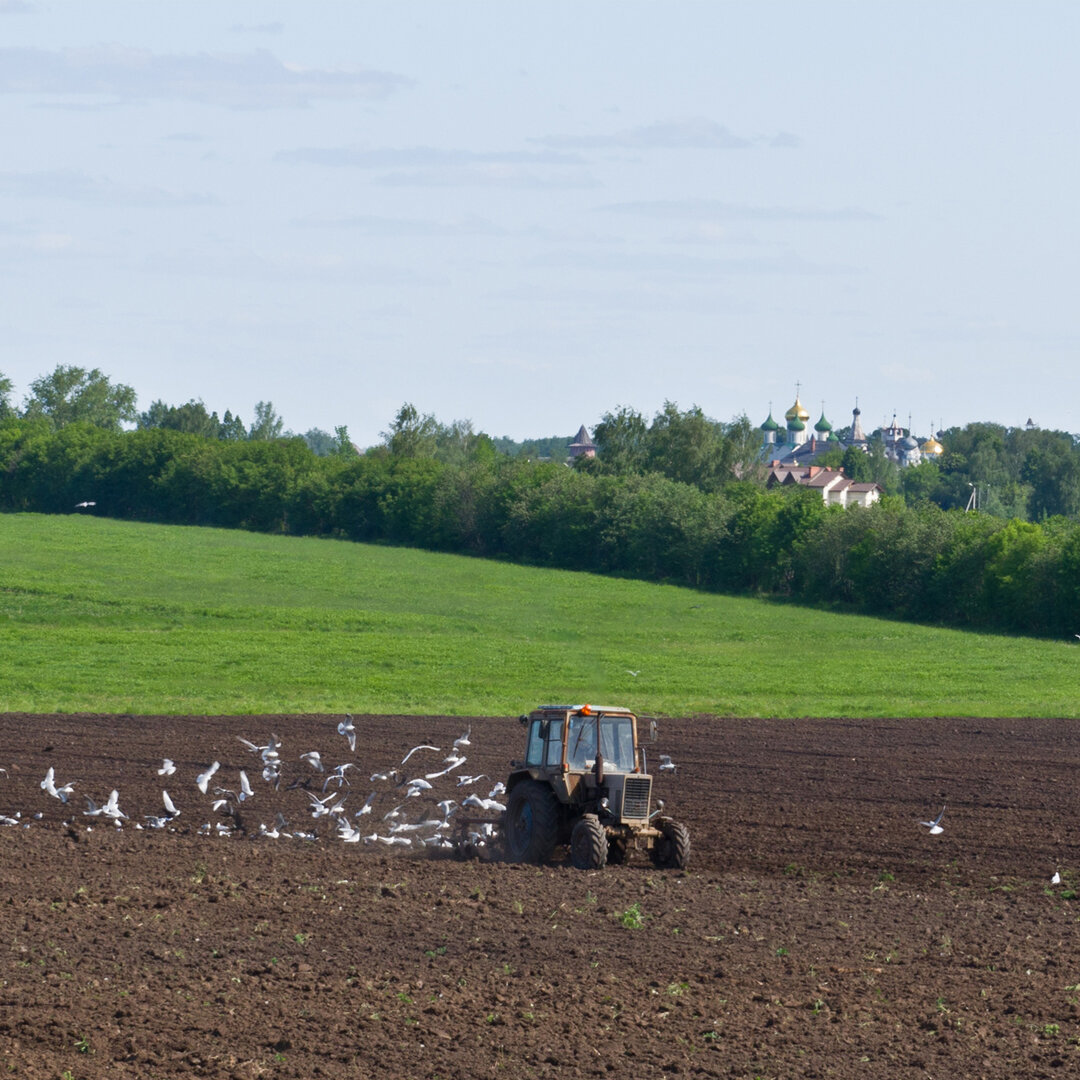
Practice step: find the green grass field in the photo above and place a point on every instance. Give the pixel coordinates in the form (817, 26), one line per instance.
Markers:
(107, 616)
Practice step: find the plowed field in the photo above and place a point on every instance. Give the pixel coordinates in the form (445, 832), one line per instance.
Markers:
(819, 931)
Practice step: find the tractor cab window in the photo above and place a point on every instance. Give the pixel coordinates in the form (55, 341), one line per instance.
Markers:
(554, 742)
(617, 743)
(581, 742)
(534, 752)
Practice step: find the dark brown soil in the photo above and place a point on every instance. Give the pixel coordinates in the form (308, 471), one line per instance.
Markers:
(819, 931)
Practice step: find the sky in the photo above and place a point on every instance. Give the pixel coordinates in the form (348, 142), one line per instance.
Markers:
(527, 215)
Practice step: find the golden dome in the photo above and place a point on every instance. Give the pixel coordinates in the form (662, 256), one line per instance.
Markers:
(797, 412)
(932, 446)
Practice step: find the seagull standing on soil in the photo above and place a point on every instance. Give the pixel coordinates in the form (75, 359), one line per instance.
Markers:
(935, 826)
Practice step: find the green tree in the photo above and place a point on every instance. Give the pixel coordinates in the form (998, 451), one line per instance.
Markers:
(73, 394)
(412, 435)
(232, 428)
(321, 443)
(267, 425)
(621, 441)
(191, 417)
(6, 386)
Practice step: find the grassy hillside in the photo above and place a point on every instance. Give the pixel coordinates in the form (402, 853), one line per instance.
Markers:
(99, 615)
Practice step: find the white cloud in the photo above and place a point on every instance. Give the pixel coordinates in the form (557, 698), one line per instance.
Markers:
(489, 176)
(404, 227)
(257, 28)
(695, 133)
(78, 187)
(419, 157)
(649, 263)
(248, 80)
(714, 210)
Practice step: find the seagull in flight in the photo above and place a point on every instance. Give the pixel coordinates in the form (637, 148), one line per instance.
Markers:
(634, 673)
(170, 806)
(935, 826)
(463, 740)
(167, 768)
(314, 759)
(483, 804)
(339, 775)
(463, 780)
(666, 764)
(347, 728)
(84, 505)
(415, 748)
(204, 778)
(452, 764)
(245, 787)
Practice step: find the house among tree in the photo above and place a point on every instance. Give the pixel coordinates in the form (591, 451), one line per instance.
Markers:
(836, 489)
(582, 446)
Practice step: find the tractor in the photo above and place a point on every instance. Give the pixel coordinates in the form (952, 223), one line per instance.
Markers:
(584, 781)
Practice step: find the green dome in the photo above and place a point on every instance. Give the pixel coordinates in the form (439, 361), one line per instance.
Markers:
(796, 425)
(823, 424)
(770, 424)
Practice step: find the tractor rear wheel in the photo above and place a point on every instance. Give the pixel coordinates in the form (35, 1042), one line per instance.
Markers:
(588, 844)
(672, 850)
(532, 822)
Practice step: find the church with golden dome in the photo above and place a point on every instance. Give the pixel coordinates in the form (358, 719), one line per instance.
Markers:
(798, 444)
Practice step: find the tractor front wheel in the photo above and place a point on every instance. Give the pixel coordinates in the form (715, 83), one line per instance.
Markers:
(588, 844)
(532, 822)
(672, 849)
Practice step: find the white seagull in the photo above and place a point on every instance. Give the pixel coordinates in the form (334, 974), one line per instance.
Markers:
(204, 778)
(338, 774)
(415, 748)
(463, 740)
(666, 764)
(314, 759)
(167, 768)
(1056, 879)
(245, 787)
(463, 780)
(935, 826)
(483, 804)
(347, 729)
(170, 807)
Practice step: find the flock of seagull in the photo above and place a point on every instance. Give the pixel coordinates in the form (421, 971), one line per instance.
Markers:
(417, 816)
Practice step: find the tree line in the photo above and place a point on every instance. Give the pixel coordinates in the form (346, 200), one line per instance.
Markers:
(679, 499)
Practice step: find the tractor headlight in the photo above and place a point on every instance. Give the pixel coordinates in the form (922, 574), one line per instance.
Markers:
(604, 804)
